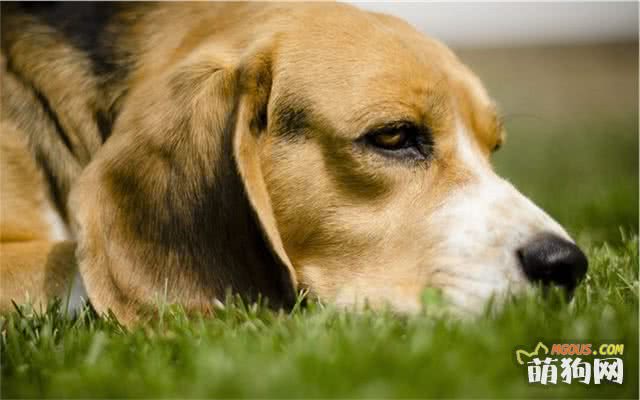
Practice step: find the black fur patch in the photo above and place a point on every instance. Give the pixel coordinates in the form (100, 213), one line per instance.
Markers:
(106, 118)
(96, 31)
(84, 26)
(40, 101)
(291, 118)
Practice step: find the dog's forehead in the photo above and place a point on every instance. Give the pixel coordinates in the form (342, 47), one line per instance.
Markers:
(371, 69)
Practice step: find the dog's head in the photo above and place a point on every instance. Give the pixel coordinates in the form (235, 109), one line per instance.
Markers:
(377, 161)
(362, 151)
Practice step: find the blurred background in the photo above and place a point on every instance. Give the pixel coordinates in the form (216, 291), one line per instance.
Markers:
(565, 75)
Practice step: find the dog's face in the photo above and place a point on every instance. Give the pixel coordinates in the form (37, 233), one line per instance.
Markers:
(377, 163)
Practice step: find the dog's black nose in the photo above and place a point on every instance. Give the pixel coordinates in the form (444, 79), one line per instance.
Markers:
(551, 260)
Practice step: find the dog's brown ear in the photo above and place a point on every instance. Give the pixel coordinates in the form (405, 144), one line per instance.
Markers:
(255, 80)
(174, 207)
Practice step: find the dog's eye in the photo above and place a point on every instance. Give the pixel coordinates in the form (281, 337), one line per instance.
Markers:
(400, 140)
(391, 140)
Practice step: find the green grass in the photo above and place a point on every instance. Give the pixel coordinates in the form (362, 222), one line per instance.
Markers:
(584, 172)
(320, 352)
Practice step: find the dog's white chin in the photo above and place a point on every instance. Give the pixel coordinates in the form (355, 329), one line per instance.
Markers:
(480, 297)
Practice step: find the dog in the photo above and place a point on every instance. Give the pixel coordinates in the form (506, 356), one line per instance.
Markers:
(173, 152)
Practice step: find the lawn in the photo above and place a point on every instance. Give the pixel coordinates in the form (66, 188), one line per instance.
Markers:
(320, 352)
(584, 171)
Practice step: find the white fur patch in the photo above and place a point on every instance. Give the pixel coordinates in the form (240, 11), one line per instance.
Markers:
(468, 152)
(481, 226)
(57, 228)
(59, 232)
(78, 297)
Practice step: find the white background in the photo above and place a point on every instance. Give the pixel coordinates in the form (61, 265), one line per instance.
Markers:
(500, 24)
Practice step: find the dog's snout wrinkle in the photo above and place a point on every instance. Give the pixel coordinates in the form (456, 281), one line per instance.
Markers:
(552, 260)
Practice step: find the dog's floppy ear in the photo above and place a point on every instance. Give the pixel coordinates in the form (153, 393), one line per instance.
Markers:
(174, 207)
(250, 129)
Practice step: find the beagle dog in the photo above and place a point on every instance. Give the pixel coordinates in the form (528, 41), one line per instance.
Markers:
(174, 151)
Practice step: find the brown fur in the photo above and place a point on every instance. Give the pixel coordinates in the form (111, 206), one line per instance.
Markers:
(228, 160)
